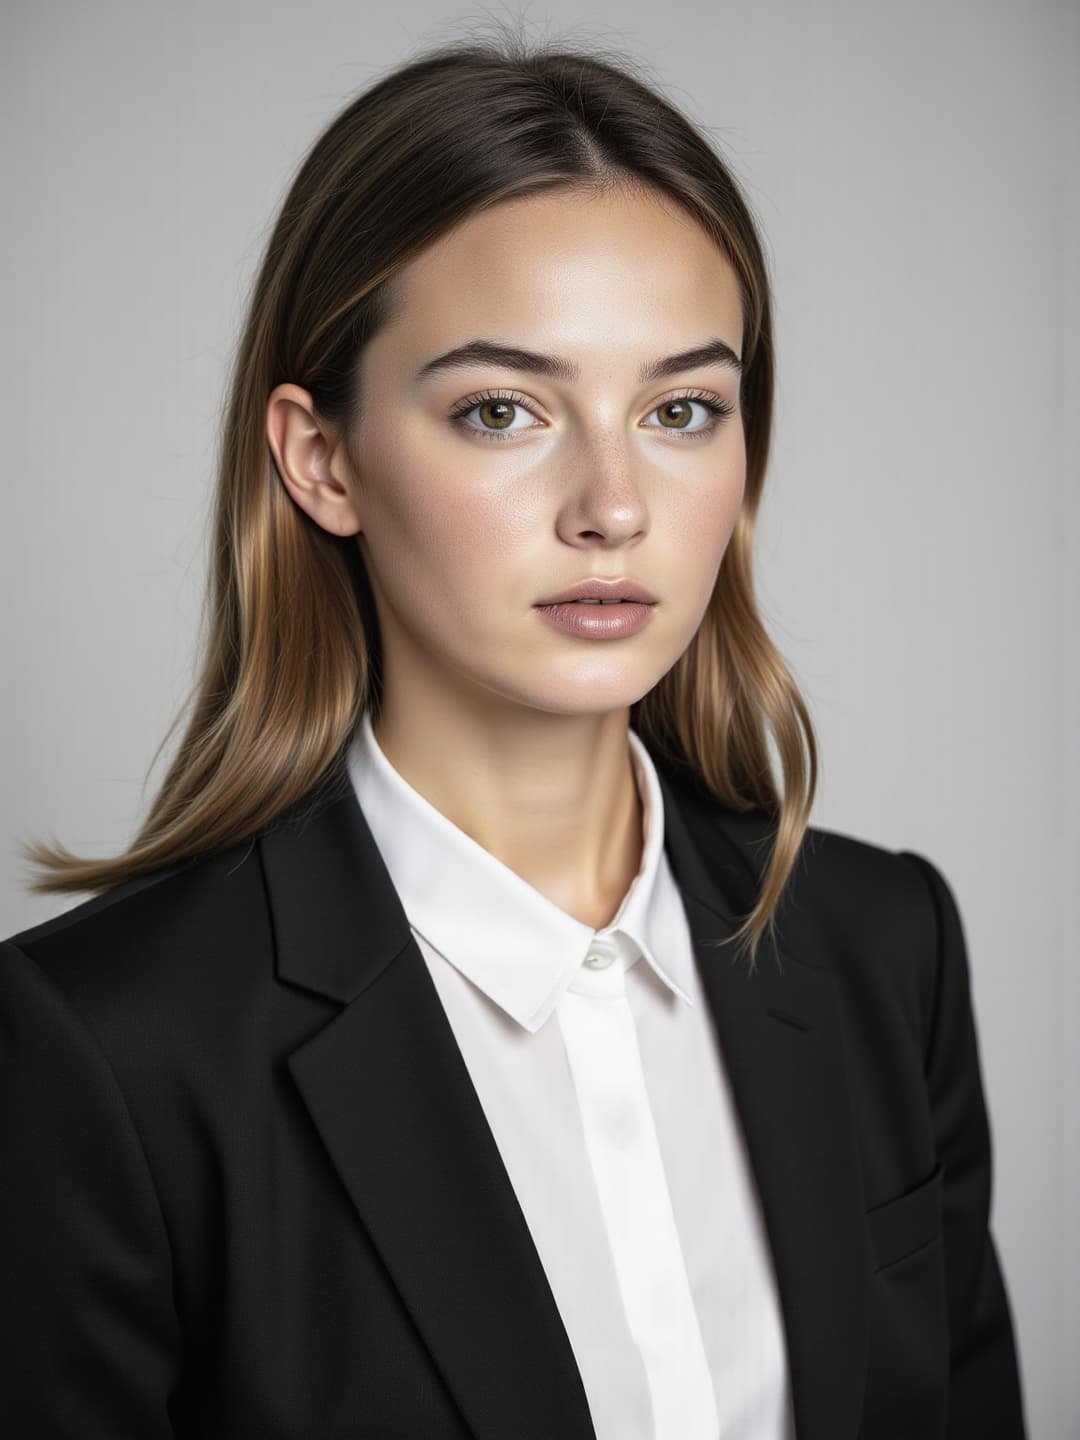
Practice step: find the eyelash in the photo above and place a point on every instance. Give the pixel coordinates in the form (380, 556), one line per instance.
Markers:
(720, 409)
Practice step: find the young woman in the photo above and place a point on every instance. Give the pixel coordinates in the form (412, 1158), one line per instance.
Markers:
(476, 1040)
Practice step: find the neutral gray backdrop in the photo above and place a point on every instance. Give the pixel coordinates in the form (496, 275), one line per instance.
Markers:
(913, 168)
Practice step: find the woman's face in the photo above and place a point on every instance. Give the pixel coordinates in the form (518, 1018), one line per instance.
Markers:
(473, 509)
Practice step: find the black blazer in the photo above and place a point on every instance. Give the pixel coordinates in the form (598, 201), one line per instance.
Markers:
(249, 1190)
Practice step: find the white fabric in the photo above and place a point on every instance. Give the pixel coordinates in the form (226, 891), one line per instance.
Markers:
(603, 1085)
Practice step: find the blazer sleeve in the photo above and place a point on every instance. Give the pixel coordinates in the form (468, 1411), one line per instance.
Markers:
(89, 1336)
(984, 1390)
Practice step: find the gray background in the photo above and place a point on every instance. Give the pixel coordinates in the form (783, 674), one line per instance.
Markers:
(910, 166)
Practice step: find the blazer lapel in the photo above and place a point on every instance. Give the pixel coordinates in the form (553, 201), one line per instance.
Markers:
(391, 1097)
(779, 1030)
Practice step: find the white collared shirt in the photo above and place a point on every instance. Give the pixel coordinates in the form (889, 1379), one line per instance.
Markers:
(604, 1088)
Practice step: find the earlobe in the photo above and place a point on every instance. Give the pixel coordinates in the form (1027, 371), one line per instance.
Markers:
(303, 450)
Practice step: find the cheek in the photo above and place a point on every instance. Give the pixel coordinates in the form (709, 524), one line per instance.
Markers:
(437, 528)
(700, 521)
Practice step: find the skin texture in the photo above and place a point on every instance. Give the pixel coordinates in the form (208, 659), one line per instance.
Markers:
(513, 730)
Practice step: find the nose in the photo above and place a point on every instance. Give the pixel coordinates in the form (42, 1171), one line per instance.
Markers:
(604, 498)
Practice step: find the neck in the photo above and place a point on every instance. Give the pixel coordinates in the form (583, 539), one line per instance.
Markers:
(552, 796)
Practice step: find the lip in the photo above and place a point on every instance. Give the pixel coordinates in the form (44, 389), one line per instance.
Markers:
(598, 589)
(597, 622)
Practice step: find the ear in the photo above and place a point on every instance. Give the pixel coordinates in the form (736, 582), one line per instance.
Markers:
(309, 460)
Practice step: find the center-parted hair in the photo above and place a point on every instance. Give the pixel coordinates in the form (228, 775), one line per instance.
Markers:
(289, 649)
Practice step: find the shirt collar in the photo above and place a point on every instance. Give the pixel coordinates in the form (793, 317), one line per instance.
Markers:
(525, 950)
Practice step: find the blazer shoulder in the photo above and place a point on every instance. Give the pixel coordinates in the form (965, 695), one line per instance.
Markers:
(153, 944)
(855, 879)
(878, 919)
(189, 899)
(887, 918)
(840, 882)
(842, 890)
(79, 914)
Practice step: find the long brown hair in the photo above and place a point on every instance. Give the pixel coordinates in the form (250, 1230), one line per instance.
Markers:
(289, 645)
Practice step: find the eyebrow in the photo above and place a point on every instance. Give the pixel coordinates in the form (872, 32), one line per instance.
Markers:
(554, 367)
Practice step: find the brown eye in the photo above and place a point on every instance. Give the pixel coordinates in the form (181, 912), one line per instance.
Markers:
(675, 414)
(499, 412)
(496, 414)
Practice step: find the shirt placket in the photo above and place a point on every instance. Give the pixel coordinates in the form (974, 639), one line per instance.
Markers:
(600, 1037)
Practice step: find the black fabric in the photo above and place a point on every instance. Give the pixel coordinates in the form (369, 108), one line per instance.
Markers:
(248, 1189)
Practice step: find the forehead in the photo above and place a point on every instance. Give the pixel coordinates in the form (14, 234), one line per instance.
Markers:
(589, 271)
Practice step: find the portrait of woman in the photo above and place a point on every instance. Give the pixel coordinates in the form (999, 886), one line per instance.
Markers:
(478, 1041)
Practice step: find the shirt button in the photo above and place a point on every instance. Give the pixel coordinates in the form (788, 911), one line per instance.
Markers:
(599, 959)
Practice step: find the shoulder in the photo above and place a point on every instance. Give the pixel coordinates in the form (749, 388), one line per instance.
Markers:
(843, 895)
(882, 921)
(858, 889)
(165, 953)
(844, 890)
(205, 909)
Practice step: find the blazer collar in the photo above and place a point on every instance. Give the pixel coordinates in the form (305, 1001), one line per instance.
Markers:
(389, 1093)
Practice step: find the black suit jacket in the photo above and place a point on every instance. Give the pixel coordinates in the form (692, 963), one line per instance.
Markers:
(249, 1190)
